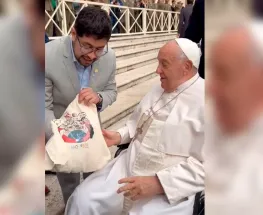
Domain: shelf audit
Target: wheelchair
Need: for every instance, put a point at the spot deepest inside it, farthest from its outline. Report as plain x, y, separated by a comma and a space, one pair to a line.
199, 204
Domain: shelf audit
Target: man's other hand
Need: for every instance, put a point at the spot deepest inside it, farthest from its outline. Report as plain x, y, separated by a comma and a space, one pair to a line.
140, 187
111, 137
88, 96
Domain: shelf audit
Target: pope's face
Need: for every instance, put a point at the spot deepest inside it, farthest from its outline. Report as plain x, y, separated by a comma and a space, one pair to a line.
234, 81
171, 67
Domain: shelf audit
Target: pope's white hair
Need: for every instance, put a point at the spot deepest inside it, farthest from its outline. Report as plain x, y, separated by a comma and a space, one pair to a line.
182, 57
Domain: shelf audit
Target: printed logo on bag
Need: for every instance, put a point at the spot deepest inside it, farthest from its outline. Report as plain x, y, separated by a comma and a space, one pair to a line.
75, 128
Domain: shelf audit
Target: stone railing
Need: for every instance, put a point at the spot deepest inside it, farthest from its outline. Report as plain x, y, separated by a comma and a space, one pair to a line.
125, 20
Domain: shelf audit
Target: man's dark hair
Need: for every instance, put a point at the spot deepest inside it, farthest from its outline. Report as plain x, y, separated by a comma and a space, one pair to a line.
190, 1
93, 21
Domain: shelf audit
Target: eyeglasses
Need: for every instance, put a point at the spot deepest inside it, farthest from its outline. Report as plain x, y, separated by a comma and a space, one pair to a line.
98, 52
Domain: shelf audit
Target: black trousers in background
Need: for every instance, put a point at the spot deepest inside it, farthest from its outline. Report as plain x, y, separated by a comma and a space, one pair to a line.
201, 69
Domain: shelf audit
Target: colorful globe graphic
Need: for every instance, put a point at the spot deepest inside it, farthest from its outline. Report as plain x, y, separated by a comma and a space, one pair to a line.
77, 135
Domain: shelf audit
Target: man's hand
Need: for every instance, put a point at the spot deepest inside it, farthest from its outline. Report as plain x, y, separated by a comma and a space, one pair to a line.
88, 96
111, 137
140, 187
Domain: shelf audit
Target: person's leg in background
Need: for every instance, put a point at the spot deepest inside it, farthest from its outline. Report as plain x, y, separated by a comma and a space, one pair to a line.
201, 69
49, 9
68, 183
69, 17
113, 22
118, 28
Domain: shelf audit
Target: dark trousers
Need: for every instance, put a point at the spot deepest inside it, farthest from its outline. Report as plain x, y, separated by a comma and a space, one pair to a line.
68, 183
201, 69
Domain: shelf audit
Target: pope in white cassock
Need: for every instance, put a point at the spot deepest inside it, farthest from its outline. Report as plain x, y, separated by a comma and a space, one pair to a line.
162, 169
234, 137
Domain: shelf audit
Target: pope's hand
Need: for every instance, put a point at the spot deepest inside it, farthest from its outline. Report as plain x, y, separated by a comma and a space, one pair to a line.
111, 137
88, 96
140, 187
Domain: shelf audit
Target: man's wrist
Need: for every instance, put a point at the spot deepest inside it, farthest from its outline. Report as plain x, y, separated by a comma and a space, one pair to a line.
100, 98
99, 104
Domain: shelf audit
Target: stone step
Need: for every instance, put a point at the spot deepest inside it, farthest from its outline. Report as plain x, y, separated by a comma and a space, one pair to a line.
127, 54
127, 100
54, 200
135, 62
135, 76
129, 47
121, 123
130, 44
123, 41
139, 37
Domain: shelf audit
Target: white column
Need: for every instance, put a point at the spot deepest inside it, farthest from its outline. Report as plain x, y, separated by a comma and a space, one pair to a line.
127, 20
144, 24
64, 21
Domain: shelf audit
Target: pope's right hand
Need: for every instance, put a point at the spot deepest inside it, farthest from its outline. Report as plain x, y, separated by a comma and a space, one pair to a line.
111, 137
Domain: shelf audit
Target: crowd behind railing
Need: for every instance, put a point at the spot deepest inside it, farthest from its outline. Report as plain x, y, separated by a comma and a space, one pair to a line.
116, 10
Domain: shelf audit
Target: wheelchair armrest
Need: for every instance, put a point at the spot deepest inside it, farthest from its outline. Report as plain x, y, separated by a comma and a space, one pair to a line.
199, 204
121, 148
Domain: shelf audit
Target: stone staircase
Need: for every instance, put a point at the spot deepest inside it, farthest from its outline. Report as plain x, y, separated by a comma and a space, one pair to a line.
136, 63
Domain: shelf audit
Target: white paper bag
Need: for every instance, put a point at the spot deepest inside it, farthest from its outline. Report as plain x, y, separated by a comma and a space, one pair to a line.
77, 144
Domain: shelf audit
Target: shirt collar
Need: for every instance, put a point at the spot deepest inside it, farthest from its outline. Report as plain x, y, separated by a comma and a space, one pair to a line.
72, 51
188, 82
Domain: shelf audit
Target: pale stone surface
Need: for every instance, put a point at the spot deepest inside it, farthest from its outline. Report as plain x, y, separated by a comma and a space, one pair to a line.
139, 37
131, 42
135, 61
126, 54
126, 100
119, 124
136, 76
54, 201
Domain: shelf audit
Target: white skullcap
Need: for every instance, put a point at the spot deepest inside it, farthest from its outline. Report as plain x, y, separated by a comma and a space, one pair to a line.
190, 49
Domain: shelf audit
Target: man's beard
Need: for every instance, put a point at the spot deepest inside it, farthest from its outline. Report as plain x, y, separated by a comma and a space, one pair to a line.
87, 61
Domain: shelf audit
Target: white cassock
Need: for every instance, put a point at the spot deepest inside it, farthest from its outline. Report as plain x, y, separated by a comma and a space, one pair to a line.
170, 148
234, 171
